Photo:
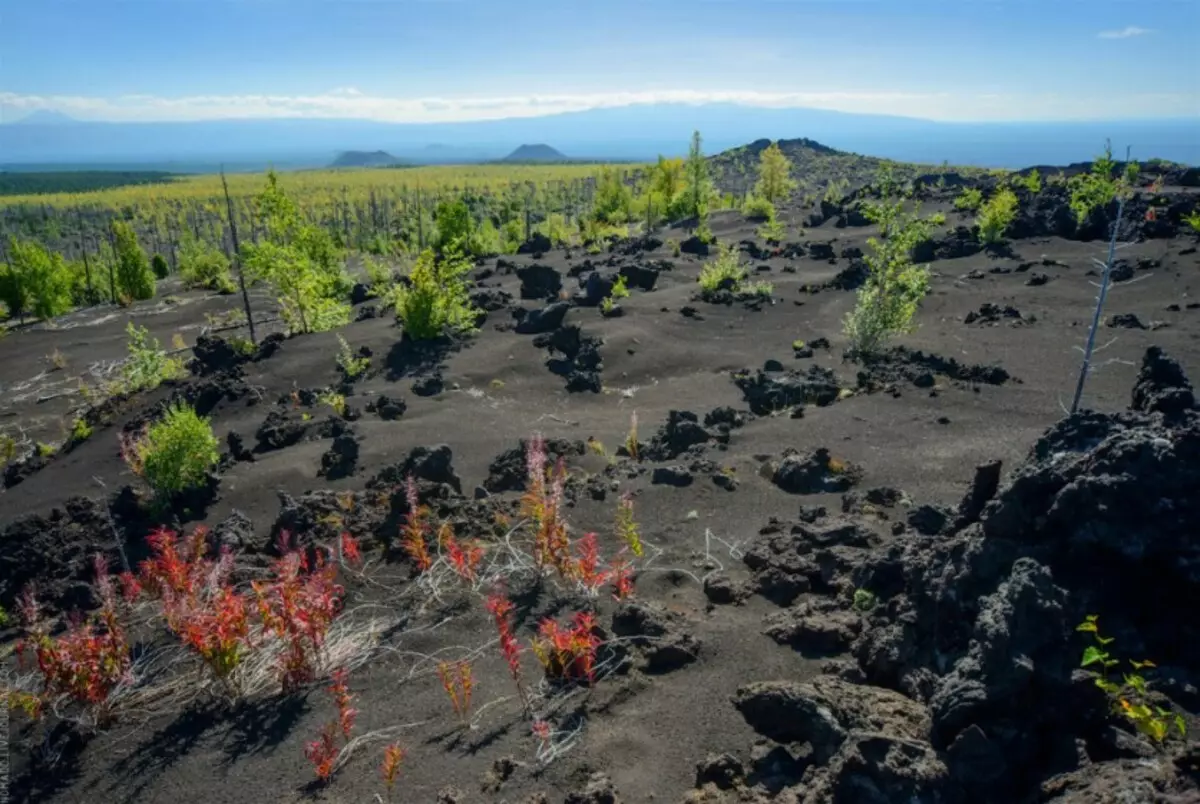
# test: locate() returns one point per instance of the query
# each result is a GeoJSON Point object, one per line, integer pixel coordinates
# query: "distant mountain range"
{"type": "Point", "coordinates": [535, 153]}
{"type": "Point", "coordinates": [635, 132]}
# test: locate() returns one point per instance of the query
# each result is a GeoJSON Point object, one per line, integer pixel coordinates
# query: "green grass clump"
{"type": "Point", "coordinates": [352, 366]}
{"type": "Point", "coordinates": [175, 453]}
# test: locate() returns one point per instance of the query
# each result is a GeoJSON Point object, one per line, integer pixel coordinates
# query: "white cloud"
{"type": "Point", "coordinates": [1125, 33]}
{"type": "Point", "coordinates": [350, 103]}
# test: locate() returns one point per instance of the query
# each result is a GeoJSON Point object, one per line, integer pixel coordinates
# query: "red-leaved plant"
{"type": "Point", "coordinates": [323, 751]}
{"type": "Point", "coordinates": [463, 559]}
{"type": "Point", "coordinates": [88, 661]}
{"type": "Point", "coordinates": [416, 528]}
{"type": "Point", "coordinates": [198, 601]}
{"type": "Point", "coordinates": [393, 757]}
{"type": "Point", "coordinates": [568, 653]}
{"type": "Point", "coordinates": [298, 606]}
{"type": "Point", "coordinates": [458, 683]}
{"type": "Point", "coordinates": [500, 608]}
{"type": "Point", "coordinates": [542, 504]}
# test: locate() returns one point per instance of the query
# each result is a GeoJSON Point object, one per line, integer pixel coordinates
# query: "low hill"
{"type": "Point", "coordinates": [535, 153]}
{"type": "Point", "coordinates": [366, 159]}
{"type": "Point", "coordinates": [814, 167]}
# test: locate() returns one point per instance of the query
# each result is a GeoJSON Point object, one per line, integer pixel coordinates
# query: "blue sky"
{"type": "Point", "coordinates": [463, 59]}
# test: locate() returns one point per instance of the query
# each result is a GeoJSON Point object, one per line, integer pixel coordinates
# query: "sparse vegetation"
{"type": "Point", "coordinates": [134, 278]}
{"type": "Point", "coordinates": [1100, 186]}
{"type": "Point", "coordinates": [204, 266]}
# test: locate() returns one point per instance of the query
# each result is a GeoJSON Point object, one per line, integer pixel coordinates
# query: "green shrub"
{"type": "Point", "coordinates": [996, 216]}
{"type": "Point", "coordinates": [775, 183]}
{"type": "Point", "coordinates": [453, 220]}
{"type": "Point", "coordinates": [555, 227]}
{"type": "Point", "coordinates": [620, 290]}
{"type": "Point", "coordinates": [613, 200]}
{"type": "Point", "coordinates": [1099, 186]}
{"type": "Point", "coordinates": [1031, 182]}
{"type": "Point", "coordinates": [437, 302]}
{"type": "Point", "coordinates": [724, 272]}
{"type": "Point", "coordinates": [758, 208]}
{"type": "Point", "coordinates": [175, 453]}
{"type": "Point", "coordinates": [81, 430]}
{"type": "Point", "coordinates": [887, 302]}
{"type": "Point", "coordinates": [969, 199]}
{"type": "Point", "coordinates": [485, 240]}
{"type": "Point", "coordinates": [380, 278]}
{"type": "Point", "coordinates": [773, 231]}
{"type": "Point", "coordinates": [351, 365]}
{"type": "Point", "coordinates": [148, 366]}
{"type": "Point", "coordinates": [134, 279]}
{"type": "Point", "coordinates": [35, 280]}
{"type": "Point", "coordinates": [1193, 221]}
{"type": "Point", "coordinates": [204, 266]}
{"type": "Point", "coordinates": [158, 265]}
{"type": "Point", "coordinates": [301, 263]}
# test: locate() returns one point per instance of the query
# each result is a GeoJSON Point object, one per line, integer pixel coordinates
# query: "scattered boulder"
{"type": "Point", "coordinates": [660, 636]}
{"type": "Point", "coordinates": [767, 393]}
{"type": "Point", "coordinates": [815, 472]}
{"type": "Point", "coordinates": [341, 458]}
{"type": "Point", "coordinates": [547, 319]}
{"type": "Point", "coordinates": [539, 282]}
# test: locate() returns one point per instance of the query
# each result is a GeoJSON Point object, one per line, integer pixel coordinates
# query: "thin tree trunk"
{"type": "Point", "coordinates": [237, 259]}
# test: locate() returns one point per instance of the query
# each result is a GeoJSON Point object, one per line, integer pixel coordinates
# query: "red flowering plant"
{"type": "Point", "coordinates": [393, 758]}
{"type": "Point", "coordinates": [459, 683]}
{"type": "Point", "coordinates": [86, 663]}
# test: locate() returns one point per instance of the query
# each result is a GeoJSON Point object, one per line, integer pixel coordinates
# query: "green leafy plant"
{"type": "Point", "coordinates": [45, 450]}
{"type": "Point", "coordinates": [334, 400]}
{"type": "Point", "coordinates": [81, 430]}
{"type": "Point", "coordinates": [887, 302]}
{"type": "Point", "coordinates": [764, 289]}
{"type": "Point", "coordinates": [775, 183]}
{"type": "Point", "coordinates": [453, 219]}
{"type": "Point", "coordinates": [996, 216]}
{"type": "Point", "coordinates": [301, 263]}
{"type": "Point", "coordinates": [620, 290]}
{"type": "Point", "coordinates": [158, 264]}
{"type": "Point", "coordinates": [773, 231]}
{"type": "Point", "coordinates": [351, 365]}
{"type": "Point", "coordinates": [173, 454]}
{"type": "Point", "coordinates": [436, 301]}
{"type": "Point", "coordinates": [758, 208]}
{"type": "Point", "coordinates": [8, 450]}
{"type": "Point", "coordinates": [35, 280]}
{"type": "Point", "coordinates": [969, 200]}
{"type": "Point", "coordinates": [864, 600]}
{"type": "Point", "coordinates": [1031, 182]}
{"type": "Point", "coordinates": [1128, 692]}
{"type": "Point", "coordinates": [1101, 185]}
{"type": "Point", "coordinates": [203, 266]}
{"type": "Point", "coordinates": [725, 272]}
{"type": "Point", "coordinates": [134, 278]}
{"type": "Point", "coordinates": [1193, 221]}
{"type": "Point", "coordinates": [148, 366]}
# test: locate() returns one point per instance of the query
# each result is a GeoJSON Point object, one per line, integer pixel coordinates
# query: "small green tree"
{"type": "Point", "coordinates": [887, 302]}
{"type": "Point", "coordinates": [613, 202]}
{"type": "Point", "coordinates": [775, 182]}
{"type": "Point", "coordinates": [300, 262]}
{"type": "Point", "coordinates": [996, 216]}
{"type": "Point", "coordinates": [204, 266]}
{"type": "Point", "coordinates": [35, 281]}
{"type": "Point", "coordinates": [697, 195]}
{"type": "Point", "coordinates": [1100, 186]}
{"type": "Point", "coordinates": [134, 278]}
{"type": "Point", "coordinates": [148, 366]}
{"type": "Point", "coordinates": [158, 264]}
{"type": "Point", "coordinates": [453, 220]}
{"type": "Point", "coordinates": [436, 301]}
